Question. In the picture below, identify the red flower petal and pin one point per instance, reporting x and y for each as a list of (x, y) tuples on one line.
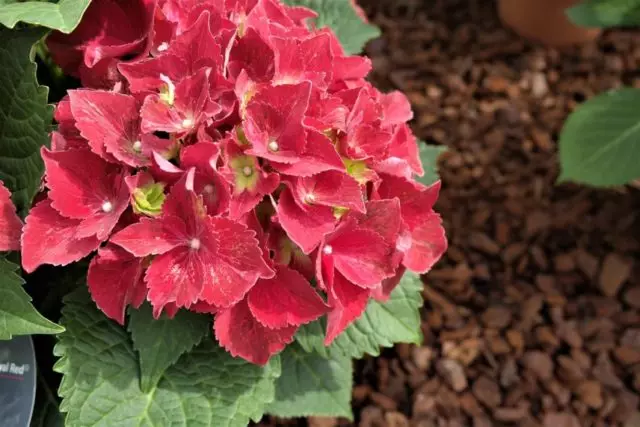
[(396, 108), (177, 276), (331, 188), (254, 55), (107, 119), (242, 335), (319, 156), (305, 226), (285, 300), (347, 302), (235, 263), (49, 238), (297, 60), (10, 224), (149, 236), (428, 244), (115, 281), (363, 256)]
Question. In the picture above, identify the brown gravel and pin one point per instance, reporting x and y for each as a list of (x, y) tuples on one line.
[(533, 316)]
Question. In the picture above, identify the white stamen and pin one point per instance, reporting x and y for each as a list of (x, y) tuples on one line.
[(187, 123), (327, 250), (247, 171), (310, 198), (194, 243), (163, 46), (209, 189), (273, 146), (107, 207), (137, 146)]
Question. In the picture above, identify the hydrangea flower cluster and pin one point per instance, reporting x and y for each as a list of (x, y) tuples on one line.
[(225, 157)]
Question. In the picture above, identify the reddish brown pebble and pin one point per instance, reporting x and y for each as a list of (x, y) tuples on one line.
[(487, 392), (615, 271), (453, 373), (539, 363), (561, 419)]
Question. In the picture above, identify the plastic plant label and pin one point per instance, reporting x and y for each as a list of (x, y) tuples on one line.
[(17, 381)]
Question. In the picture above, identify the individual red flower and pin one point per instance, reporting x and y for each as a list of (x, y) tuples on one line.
[(307, 207), (111, 124), (273, 122), (110, 30), (425, 241), (198, 256), (249, 181), (10, 224), (84, 187)]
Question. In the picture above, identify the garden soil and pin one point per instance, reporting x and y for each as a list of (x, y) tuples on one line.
[(532, 318)]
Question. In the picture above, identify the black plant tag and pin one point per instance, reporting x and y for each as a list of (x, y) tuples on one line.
[(17, 381)]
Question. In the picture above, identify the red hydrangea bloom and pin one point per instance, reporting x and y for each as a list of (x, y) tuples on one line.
[(241, 166)]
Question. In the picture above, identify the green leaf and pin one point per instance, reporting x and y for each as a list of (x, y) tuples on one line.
[(100, 385), (62, 16), (429, 157), (161, 342), (381, 325), (311, 385), (25, 117), (17, 314), (600, 141), (340, 16), (605, 13)]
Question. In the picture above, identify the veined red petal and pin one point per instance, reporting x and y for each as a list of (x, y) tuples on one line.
[(361, 255), (49, 238), (115, 281), (305, 226), (242, 335), (347, 302), (285, 300)]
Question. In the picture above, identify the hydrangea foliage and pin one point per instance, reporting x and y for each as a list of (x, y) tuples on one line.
[(229, 158)]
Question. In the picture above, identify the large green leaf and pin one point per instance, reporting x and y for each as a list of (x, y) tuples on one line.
[(381, 325), (17, 314), (600, 141), (606, 13), (429, 157), (100, 385), (62, 16), (342, 18), (161, 342), (25, 117), (311, 385)]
